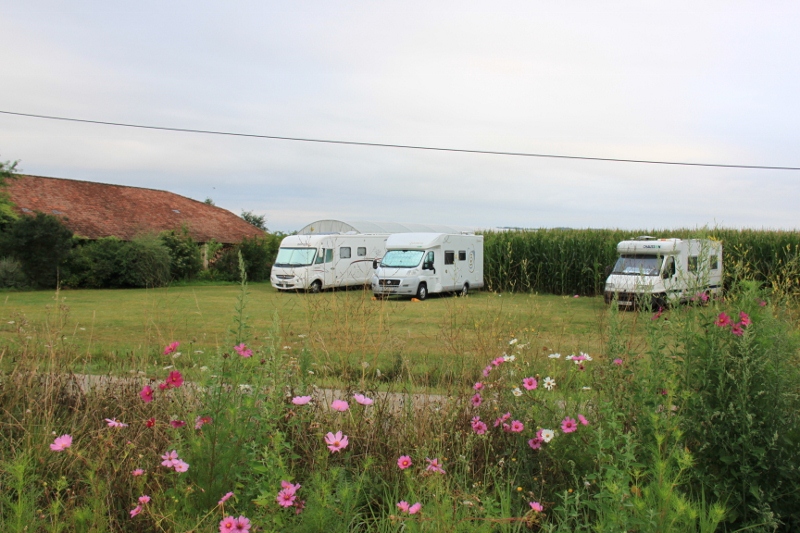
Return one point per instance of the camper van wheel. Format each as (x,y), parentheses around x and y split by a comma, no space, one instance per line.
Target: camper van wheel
(422,291)
(464,289)
(316,286)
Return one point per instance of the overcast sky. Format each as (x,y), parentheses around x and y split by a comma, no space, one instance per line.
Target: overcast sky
(631,80)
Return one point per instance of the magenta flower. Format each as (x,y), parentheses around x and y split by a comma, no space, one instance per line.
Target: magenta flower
(762,303)
(114,423)
(568,425)
(536,506)
(517,426)
(171,347)
(404,462)
(737,330)
(144,499)
(477,400)
(339,405)
(723,320)
(242,524)
(201,421)
(61,443)
(745,319)
(414,509)
(336,442)
(181,466)
(582,420)
(498,361)
(177,423)
(175,379)
(502,419)
(361,399)
(242,350)
(657,315)
(403,506)
(136,510)
(290,487)
(486,371)
(150,422)
(146,394)
(434,466)
(301,400)
(479,426)
(225,498)
(530,383)
(137,472)
(169,459)
(535,443)
(286,498)
(617,361)
(478,386)
(227,524)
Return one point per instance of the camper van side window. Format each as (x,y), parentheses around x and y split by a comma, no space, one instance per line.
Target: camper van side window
(713,262)
(692,266)
(462,255)
(344,252)
(449,257)
(328,255)
(320,257)
(361,251)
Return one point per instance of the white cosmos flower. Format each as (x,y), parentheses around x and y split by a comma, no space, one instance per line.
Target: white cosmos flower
(569,357)
(549,383)
(554,355)
(516,392)
(547,435)
(586,356)
(513,341)
(508,358)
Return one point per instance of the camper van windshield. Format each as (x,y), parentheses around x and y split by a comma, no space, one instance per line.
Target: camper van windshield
(646,265)
(292,257)
(402,258)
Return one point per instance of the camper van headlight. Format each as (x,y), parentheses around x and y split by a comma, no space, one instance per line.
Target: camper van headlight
(609,286)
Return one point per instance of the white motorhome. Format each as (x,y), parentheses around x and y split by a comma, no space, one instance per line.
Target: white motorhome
(659,272)
(418,264)
(315,262)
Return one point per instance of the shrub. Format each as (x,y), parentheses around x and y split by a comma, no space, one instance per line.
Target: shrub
(11,274)
(258,253)
(41,244)
(186,260)
(95,264)
(145,262)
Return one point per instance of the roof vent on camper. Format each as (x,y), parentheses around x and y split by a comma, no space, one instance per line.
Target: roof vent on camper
(645,238)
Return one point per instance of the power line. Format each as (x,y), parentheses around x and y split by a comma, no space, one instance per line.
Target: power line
(403,146)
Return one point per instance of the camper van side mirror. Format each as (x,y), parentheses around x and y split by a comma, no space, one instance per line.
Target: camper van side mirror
(428,266)
(375,264)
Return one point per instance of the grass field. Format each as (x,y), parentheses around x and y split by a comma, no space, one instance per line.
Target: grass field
(345,332)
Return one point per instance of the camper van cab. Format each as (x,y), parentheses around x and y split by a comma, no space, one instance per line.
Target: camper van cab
(659,272)
(418,264)
(316,262)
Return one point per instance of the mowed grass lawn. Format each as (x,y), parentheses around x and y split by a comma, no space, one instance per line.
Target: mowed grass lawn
(343,332)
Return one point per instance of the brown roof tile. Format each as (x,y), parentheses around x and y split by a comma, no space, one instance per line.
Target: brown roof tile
(96,210)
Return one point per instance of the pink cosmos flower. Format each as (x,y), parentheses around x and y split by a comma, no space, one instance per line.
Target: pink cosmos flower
(286,498)
(517,427)
(476,400)
(169,459)
(290,487)
(568,425)
(144,499)
(146,394)
(361,399)
(301,400)
(404,462)
(704,297)
(181,466)
(530,383)
(498,361)
(617,361)
(163,386)
(737,330)
(535,443)
(242,350)
(502,419)
(171,347)
(225,498)
(201,421)
(177,423)
(762,303)
(136,510)
(137,472)
(486,371)
(723,320)
(336,442)
(403,506)
(582,420)
(339,405)
(175,379)
(434,466)
(227,524)
(478,386)
(114,423)
(242,524)
(745,319)
(536,506)
(658,314)
(414,509)
(150,422)
(478,426)
(61,443)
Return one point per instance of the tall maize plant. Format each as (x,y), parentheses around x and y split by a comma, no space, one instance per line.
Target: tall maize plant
(570,261)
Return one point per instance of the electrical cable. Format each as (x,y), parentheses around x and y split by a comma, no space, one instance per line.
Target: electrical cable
(402,146)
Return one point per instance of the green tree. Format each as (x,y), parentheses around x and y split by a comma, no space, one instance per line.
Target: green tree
(7,171)
(41,244)
(186,259)
(259,221)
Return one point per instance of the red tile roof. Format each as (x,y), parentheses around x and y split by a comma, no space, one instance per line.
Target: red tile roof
(96,210)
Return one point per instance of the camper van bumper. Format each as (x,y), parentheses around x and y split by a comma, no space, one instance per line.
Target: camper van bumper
(633,300)
(403,287)
(287,283)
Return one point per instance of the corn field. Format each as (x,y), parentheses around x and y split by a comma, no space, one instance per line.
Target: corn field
(571,261)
